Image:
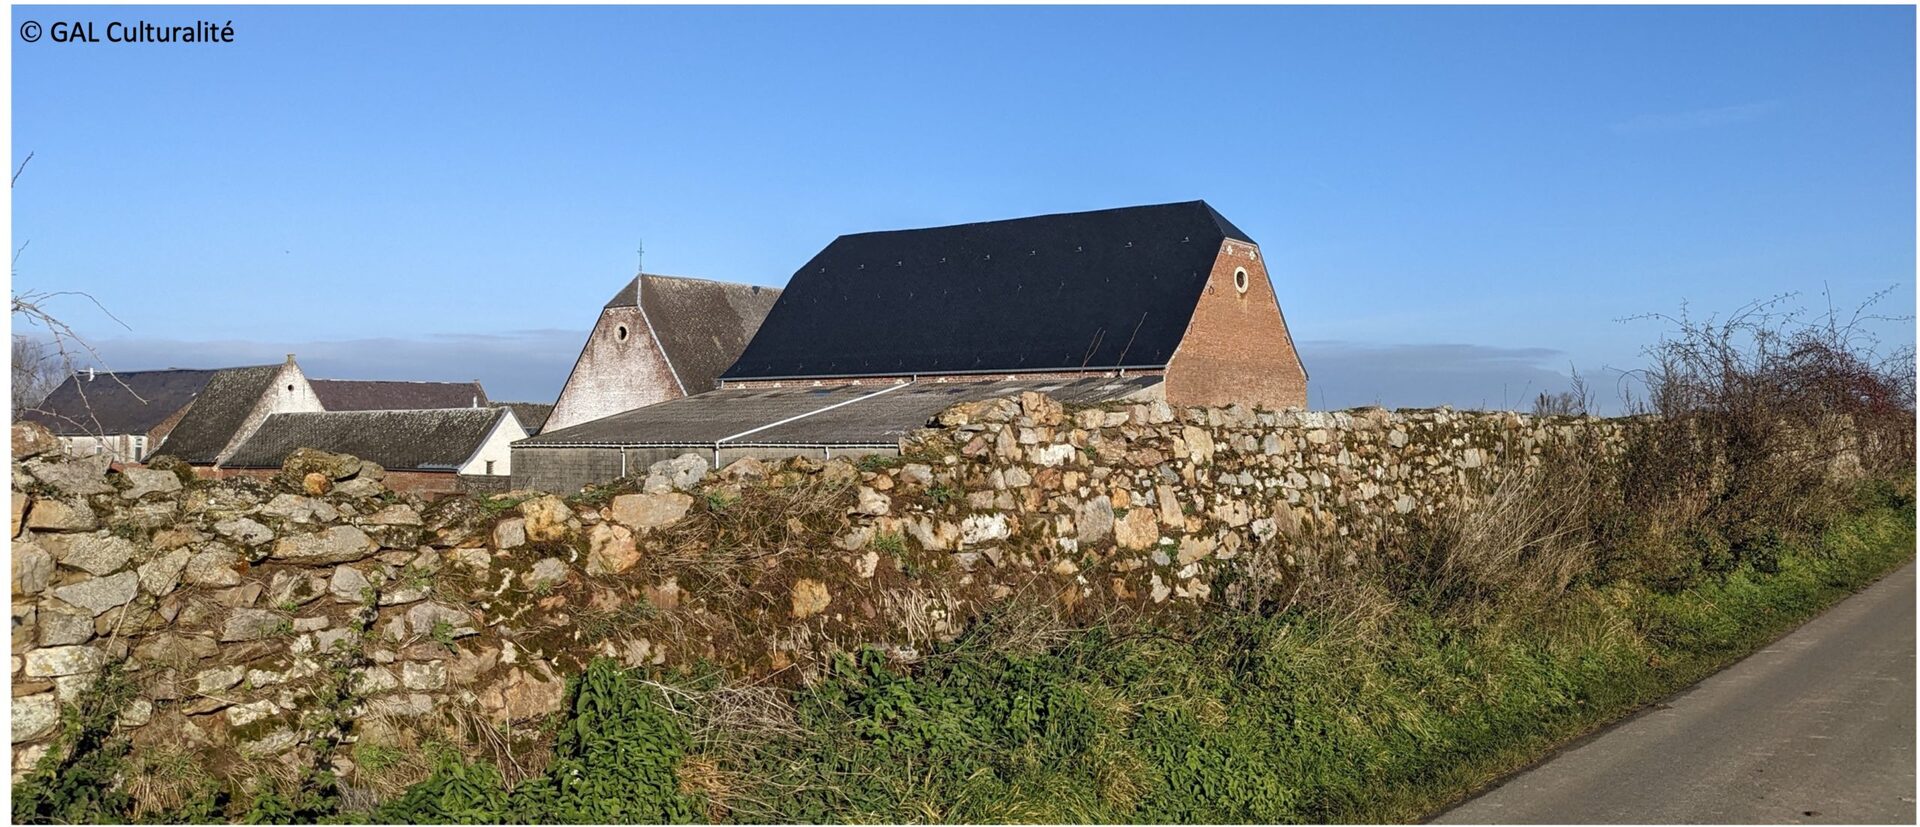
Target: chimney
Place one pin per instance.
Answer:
(89, 373)
(289, 358)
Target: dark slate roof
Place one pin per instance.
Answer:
(876, 420)
(532, 415)
(127, 402)
(1103, 289)
(438, 439)
(218, 413)
(378, 395)
(701, 325)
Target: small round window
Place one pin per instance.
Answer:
(1240, 279)
(620, 333)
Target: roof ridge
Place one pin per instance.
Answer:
(706, 280)
(1062, 214)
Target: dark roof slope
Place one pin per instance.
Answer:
(701, 325)
(437, 439)
(128, 402)
(807, 416)
(532, 415)
(1102, 289)
(218, 413)
(375, 395)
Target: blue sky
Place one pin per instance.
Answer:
(1456, 204)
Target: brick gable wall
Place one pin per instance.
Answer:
(1237, 348)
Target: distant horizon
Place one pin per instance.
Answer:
(1457, 204)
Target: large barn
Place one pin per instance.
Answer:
(659, 338)
(879, 331)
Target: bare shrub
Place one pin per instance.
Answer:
(36, 372)
(1577, 400)
(1760, 419)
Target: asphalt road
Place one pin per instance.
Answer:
(1817, 728)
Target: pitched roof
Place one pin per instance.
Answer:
(379, 395)
(126, 402)
(1102, 289)
(218, 413)
(843, 415)
(437, 439)
(701, 325)
(532, 415)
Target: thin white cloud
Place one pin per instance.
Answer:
(1695, 119)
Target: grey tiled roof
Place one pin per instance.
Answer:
(532, 415)
(218, 413)
(702, 325)
(437, 439)
(862, 417)
(124, 402)
(382, 395)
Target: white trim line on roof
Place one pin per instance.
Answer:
(865, 396)
(640, 304)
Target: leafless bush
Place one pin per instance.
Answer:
(36, 372)
(1577, 400)
(1759, 418)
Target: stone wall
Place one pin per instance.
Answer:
(241, 608)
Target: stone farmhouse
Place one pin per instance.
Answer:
(659, 338)
(881, 331)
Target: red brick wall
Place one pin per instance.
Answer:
(1237, 348)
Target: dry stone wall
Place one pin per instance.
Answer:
(297, 618)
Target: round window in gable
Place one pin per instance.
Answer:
(620, 333)
(1240, 279)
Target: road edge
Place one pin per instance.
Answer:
(1630, 715)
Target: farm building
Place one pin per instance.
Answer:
(433, 436)
(432, 450)
(659, 338)
(123, 414)
(232, 405)
(389, 395)
(880, 331)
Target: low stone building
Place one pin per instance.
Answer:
(879, 331)
(659, 338)
(232, 406)
(430, 451)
